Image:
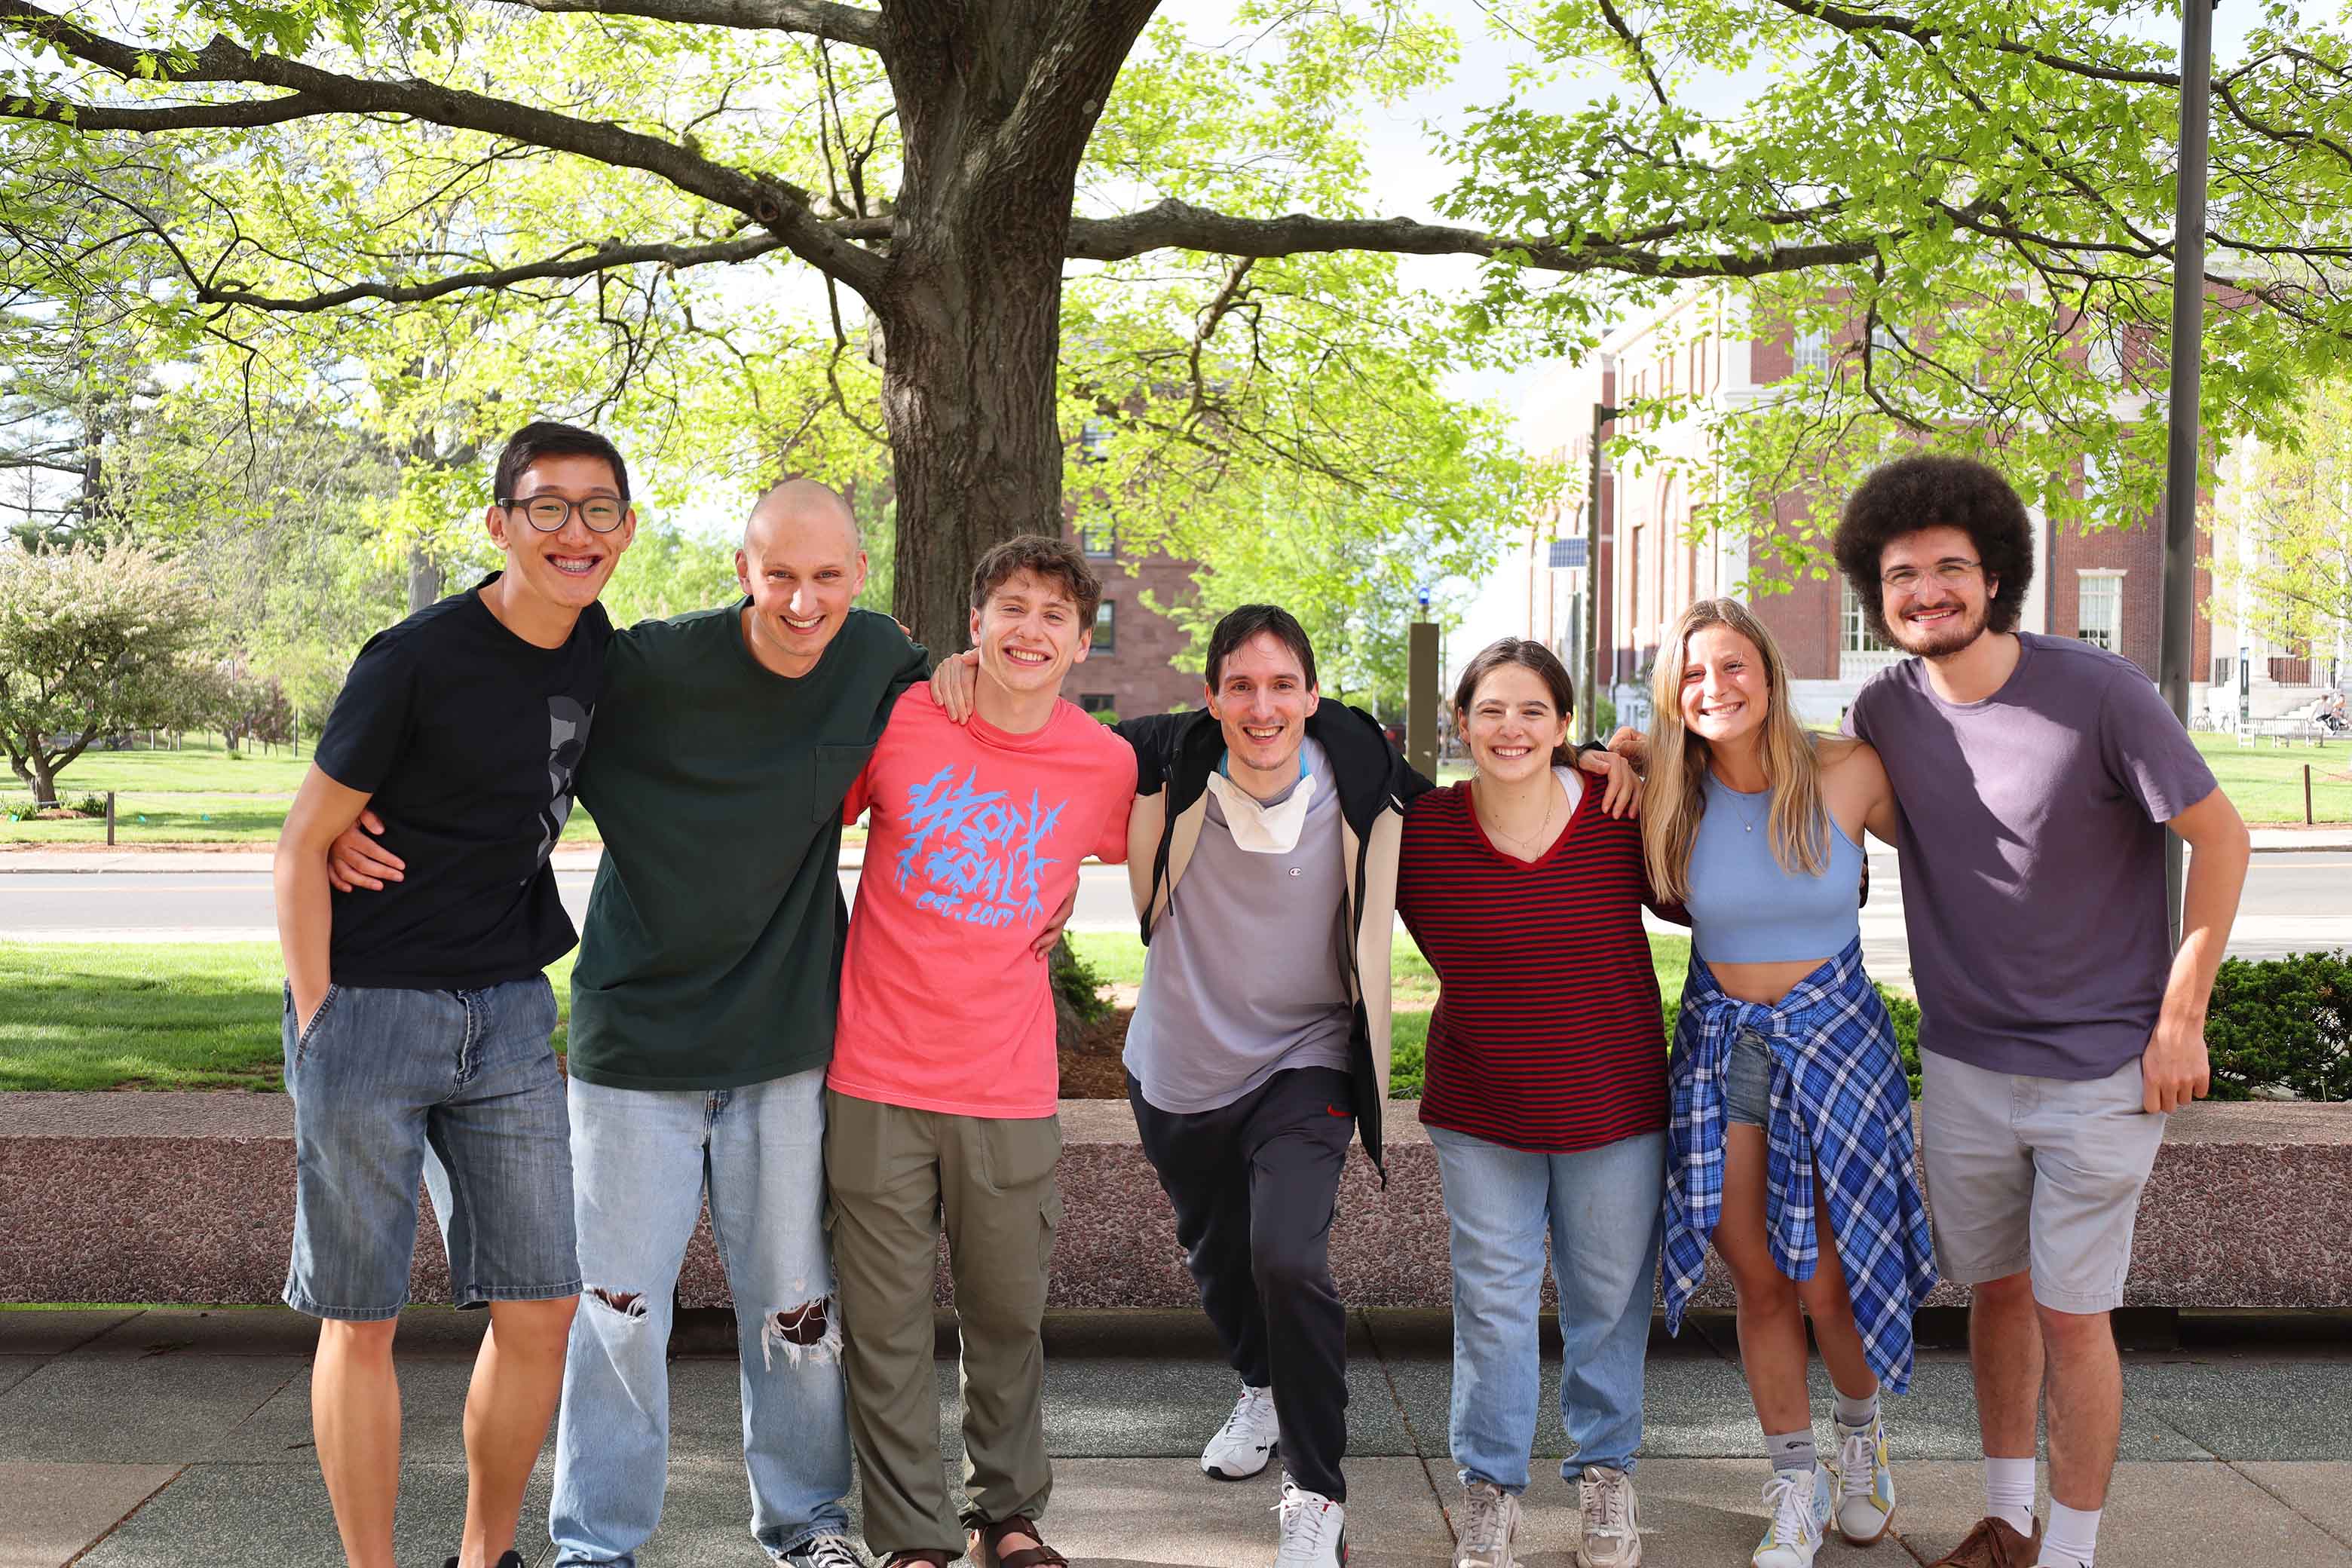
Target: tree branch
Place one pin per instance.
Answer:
(781, 207)
(1068, 83)
(1180, 225)
(602, 259)
(851, 24)
(1927, 33)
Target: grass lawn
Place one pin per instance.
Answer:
(2265, 782)
(164, 1015)
(84, 1015)
(202, 763)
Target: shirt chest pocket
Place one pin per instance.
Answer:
(836, 768)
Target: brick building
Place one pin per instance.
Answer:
(2105, 586)
(1140, 662)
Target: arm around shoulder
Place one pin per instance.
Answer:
(1860, 793)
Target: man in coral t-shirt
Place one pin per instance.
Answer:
(941, 1094)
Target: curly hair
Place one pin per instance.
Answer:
(1934, 490)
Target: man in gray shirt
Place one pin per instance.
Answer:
(2036, 778)
(1262, 856)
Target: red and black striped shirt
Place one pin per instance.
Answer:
(1548, 1034)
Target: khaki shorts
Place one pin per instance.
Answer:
(2036, 1173)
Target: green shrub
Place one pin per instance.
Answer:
(1077, 983)
(2275, 1025)
(1604, 719)
(90, 805)
(2281, 1024)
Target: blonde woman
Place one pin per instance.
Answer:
(1789, 1128)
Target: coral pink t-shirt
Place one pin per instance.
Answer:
(974, 843)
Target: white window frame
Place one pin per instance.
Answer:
(2110, 581)
(1810, 350)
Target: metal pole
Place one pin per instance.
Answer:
(1588, 709)
(2185, 434)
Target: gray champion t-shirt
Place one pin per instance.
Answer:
(2031, 839)
(1245, 977)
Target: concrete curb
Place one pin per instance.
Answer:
(179, 1197)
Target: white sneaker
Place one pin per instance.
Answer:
(1314, 1529)
(1484, 1526)
(1246, 1440)
(1866, 1483)
(1613, 1519)
(1800, 1505)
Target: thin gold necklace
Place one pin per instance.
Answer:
(1522, 845)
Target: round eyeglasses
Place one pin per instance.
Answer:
(548, 514)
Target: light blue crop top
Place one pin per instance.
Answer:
(1746, 909)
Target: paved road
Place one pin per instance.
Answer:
(2294, 902)
(235, 905)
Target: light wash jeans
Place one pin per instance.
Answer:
(640, 1160)
(1601, 1209)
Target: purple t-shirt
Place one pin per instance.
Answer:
(2032, 835)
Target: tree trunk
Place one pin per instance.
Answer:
(424, 580)
(968, 394)
(44, 780)
(996, 103)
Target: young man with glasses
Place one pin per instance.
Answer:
(702, 1022)
(421, 1016)
(2036, 778)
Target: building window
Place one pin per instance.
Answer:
(2099, 609)
(1094, 441)
(1098, 541)
(1855, 625)
(1106, 627)
(1098, 702)
(1811, 351)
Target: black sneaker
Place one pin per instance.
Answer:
(507, 1559)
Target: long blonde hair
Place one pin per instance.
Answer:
(1674, 794)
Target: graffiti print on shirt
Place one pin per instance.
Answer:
(567, 739)
(974, 856)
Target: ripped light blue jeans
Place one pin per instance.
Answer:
(641, 1160)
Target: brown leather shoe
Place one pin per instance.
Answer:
(1994, 1543)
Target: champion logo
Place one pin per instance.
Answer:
(1334, 1109)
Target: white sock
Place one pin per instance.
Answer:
(2073, 1536)
(2009, 1492)
(1855, 1413)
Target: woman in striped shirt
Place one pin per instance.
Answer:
(1545, 1094)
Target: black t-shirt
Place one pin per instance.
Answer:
(466, 737)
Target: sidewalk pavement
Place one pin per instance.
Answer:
(586, 857)
(166, 1438)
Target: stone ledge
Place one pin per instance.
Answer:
(161, 1197)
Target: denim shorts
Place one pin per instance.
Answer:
(377, 1076)
(1747, 1080)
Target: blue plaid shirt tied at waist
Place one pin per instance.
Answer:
(1840, 1105)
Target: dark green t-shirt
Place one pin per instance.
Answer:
(711, 953)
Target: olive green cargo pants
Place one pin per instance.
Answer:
(895, 1173)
